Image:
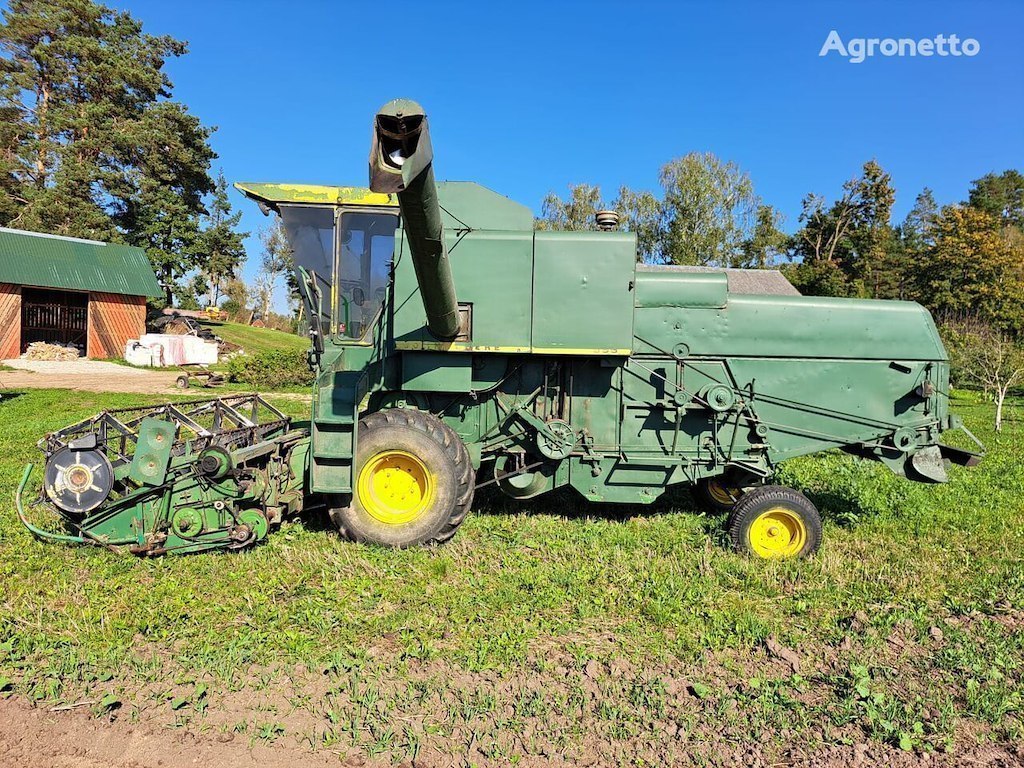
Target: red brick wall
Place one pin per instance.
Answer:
(113, 320)
(10, 321)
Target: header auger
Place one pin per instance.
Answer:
(455, 346)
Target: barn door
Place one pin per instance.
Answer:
(54, 316)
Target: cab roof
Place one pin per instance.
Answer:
(271, 194)
(464, 204)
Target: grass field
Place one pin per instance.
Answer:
(593, 635)
(256, 340)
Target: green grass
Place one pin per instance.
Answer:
(255, 340)
(558, 620)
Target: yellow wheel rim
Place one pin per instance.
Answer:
(722, 494)
(395, 487)
(778, 532)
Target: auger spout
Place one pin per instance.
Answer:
(401, 161)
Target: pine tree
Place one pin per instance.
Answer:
(222, 244)
(1001, 196)
(870, 261)
(91, 144)
(918, 229)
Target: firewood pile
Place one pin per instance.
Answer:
(41, 350)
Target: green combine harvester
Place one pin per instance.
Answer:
(455, 347)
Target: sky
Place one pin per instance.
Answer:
(526, 98)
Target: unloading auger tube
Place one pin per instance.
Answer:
(180, 477)
(401, 161)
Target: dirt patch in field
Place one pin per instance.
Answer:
(563, 711)
(37, 738)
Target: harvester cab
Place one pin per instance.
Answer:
(455, 346)
(342, 241)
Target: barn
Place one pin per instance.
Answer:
(71, 291)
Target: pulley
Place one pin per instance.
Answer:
(718, 397)
(515, 480)
(904, 439)
(556, 440)
(78, 481)
(215, 462)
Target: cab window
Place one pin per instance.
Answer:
(366, 247)
(310, 232)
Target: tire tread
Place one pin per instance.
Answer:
(754, 502)
(450, 443)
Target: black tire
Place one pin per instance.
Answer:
(770, 511)
(181, 382)
(435, 448)
(717, 494)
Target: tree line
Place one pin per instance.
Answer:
(93, 145)
(966, 257)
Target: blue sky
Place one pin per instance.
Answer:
(528, 97)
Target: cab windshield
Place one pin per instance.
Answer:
(350, 255)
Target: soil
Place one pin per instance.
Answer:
(146, 734)
(37, 738)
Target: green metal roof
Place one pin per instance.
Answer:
(51, 261)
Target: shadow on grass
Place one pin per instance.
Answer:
(314, 516)
(566, 502)
(835, 506)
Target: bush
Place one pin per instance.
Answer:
(232, 308)
(271, 369)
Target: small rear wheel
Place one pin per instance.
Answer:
(181, 382)
(413, 481)
(775, 523)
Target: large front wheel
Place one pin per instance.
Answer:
(414, 481)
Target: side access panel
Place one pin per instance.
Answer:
(493, 280)
(437, 372)
(583, 293)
